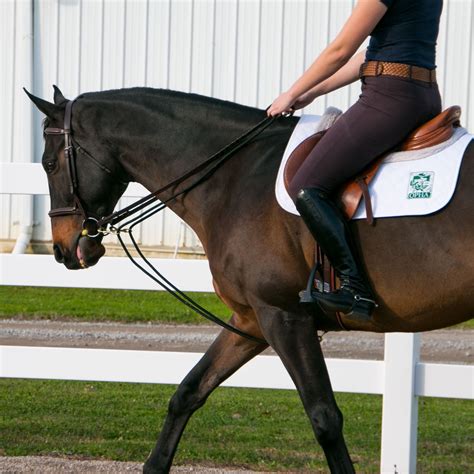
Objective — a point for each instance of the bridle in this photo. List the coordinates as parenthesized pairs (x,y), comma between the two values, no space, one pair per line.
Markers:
(90,221)
(95,226)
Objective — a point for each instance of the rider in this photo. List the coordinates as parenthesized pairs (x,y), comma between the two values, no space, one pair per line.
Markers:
(399,93)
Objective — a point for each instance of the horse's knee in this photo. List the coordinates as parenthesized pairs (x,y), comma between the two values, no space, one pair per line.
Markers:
(186,399)
(327,423)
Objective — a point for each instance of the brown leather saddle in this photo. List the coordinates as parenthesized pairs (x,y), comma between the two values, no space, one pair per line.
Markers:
(437,130)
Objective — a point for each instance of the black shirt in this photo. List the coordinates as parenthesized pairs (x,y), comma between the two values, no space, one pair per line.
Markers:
(407,33)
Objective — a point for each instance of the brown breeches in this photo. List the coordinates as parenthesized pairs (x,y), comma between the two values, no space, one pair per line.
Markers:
(388,109)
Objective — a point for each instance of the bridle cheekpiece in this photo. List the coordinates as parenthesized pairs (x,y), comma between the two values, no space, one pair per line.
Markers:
(90,225)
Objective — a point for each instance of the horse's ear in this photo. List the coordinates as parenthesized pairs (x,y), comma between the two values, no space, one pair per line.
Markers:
(52,111)
(59,99)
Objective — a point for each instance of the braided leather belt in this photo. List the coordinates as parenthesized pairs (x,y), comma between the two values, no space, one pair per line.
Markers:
(383,68)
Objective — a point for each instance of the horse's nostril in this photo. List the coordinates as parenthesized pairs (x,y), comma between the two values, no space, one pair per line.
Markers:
(58,254)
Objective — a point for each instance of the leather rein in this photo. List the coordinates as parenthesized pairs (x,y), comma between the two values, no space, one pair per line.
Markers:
(94,226)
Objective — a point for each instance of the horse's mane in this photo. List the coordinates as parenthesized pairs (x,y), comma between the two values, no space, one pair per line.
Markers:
(135,94)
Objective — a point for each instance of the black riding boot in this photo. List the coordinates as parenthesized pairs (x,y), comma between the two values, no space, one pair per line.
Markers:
(329,227)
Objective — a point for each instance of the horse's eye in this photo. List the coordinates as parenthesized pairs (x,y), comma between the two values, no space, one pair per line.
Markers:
(49,166)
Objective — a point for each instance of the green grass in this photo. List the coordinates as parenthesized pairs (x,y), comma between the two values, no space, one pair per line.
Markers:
(131,306)
(259,429)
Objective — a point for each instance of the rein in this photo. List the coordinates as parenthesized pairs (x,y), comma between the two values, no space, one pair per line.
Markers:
(94,226)
(217,159)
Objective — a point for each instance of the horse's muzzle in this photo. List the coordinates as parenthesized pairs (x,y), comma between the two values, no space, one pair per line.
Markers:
(89,251)
(85,253)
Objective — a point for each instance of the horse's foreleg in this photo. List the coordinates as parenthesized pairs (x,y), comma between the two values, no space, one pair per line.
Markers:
(222,359)
(294,338)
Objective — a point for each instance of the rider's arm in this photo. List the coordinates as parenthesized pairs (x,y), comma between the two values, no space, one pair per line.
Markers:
(364,18)
(347,74)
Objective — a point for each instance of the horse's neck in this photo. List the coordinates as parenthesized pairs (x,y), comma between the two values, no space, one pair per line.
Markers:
(163,146)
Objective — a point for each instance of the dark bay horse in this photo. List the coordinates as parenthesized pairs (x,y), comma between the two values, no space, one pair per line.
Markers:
(422,268)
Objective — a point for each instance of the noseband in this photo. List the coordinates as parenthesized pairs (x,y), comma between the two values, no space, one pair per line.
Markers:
(90,225)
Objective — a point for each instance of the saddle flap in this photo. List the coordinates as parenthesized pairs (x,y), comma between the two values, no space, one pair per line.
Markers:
(351,194)
(299,154)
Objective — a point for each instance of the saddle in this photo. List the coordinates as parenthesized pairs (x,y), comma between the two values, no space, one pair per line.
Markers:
(437,130)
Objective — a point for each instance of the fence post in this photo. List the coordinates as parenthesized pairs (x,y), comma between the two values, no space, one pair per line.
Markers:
(400,404)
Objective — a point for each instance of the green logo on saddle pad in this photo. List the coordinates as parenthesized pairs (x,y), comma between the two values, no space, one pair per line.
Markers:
(421,185)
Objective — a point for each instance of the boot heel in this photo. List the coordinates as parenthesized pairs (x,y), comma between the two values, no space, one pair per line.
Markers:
(361,309)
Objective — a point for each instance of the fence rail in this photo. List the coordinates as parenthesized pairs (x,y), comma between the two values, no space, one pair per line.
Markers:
(110,365)
(401,378)
(111,273)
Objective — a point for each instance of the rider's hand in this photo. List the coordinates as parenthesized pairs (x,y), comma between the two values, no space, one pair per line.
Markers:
(282,104)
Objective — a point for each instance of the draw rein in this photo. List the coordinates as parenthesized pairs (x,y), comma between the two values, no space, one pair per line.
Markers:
(94,226)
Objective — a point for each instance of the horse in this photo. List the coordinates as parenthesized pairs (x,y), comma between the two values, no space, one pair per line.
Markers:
(421,267)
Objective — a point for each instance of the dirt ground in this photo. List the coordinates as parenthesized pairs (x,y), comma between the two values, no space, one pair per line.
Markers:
(50,465)
(446,345)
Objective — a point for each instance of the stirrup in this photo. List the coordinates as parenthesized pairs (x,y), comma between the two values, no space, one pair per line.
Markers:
(352,305)
(306,295)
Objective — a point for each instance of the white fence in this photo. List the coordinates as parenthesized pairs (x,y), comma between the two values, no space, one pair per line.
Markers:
(401,378)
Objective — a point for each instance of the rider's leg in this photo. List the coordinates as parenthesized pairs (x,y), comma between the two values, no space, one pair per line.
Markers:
(387,111)
(327,224)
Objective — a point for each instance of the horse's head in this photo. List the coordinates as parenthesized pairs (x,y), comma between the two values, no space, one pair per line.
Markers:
(85,182)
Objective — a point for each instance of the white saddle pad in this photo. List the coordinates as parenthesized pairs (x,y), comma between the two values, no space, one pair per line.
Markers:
(407,183)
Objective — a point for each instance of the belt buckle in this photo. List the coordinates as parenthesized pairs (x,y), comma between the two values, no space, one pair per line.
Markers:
(379,68)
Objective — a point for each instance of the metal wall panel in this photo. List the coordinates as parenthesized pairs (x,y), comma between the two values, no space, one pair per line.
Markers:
(241,50)
(247,56)
(16,119)
(202,48)
(318,20)
(7,84)
(113,44)
(224,54)
(457,52)
(470,81)
(158,40)
(91,49)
